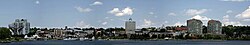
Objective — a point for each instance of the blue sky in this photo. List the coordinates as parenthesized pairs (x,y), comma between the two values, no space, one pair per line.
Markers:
(113,13)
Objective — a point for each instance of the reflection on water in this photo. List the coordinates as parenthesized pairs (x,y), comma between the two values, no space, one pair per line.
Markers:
(130,42)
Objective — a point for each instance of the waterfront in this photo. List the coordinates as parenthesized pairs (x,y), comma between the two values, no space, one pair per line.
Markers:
(132,42)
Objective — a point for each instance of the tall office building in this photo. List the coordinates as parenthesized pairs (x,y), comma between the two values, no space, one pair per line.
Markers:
(214,27)
(130,27)
(194,26)
(20,27)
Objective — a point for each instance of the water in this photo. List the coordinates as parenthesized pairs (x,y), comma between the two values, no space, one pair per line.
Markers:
(130,42)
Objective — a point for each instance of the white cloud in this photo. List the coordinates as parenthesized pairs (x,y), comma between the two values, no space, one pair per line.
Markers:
(235,0)
(111,19)
(118,12)
(227,21)
(128,11)
(83,10)
(200,17)
(204,19)
(195,11)
(147,23)
(173,14)
(233,23)
(178,24)
(226,18)
(82,24)
(97,3)
(151,13)
(106,18)
(104,23)
(246,20)
(37,2)
(229,11)
(165,22)
(245,14)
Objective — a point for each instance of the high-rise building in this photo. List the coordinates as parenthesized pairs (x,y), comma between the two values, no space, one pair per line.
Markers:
(130,27)
(20,27)
(194,26)
(214,27)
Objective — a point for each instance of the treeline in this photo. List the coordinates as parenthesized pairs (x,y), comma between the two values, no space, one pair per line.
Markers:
(230,31)
(236,31)
(4,33)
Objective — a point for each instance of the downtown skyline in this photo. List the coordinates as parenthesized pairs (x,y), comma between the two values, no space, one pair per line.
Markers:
(114,13)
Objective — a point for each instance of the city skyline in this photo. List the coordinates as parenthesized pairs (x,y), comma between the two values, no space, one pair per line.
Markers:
(114,13)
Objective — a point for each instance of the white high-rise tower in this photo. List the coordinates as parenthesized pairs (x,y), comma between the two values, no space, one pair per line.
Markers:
(130,26)
(20,27)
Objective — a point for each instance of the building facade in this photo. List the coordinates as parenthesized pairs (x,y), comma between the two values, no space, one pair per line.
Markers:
(20,27)
(214,27)
(194,26)
(130,26)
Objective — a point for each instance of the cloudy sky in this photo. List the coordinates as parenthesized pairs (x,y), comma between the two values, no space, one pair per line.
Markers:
(113,13)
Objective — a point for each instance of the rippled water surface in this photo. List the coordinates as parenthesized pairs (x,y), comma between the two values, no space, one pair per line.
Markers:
(130,42)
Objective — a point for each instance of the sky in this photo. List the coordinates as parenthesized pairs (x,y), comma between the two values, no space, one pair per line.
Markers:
(114,13)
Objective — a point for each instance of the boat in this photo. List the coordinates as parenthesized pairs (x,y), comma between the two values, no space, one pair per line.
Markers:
(70,39)
(87,39)
(167,38)
(33,37)
(83,39)
(93,38)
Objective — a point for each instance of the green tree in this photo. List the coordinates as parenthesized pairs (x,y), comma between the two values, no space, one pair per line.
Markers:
(4,33)
(228,30)
(32,31)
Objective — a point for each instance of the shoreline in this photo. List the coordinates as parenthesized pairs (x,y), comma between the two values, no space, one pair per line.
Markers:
(21,40)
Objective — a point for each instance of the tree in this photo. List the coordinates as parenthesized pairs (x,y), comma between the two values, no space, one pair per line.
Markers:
(204,29)
(144,29)
(4,33)
(228,30)
(32,31)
